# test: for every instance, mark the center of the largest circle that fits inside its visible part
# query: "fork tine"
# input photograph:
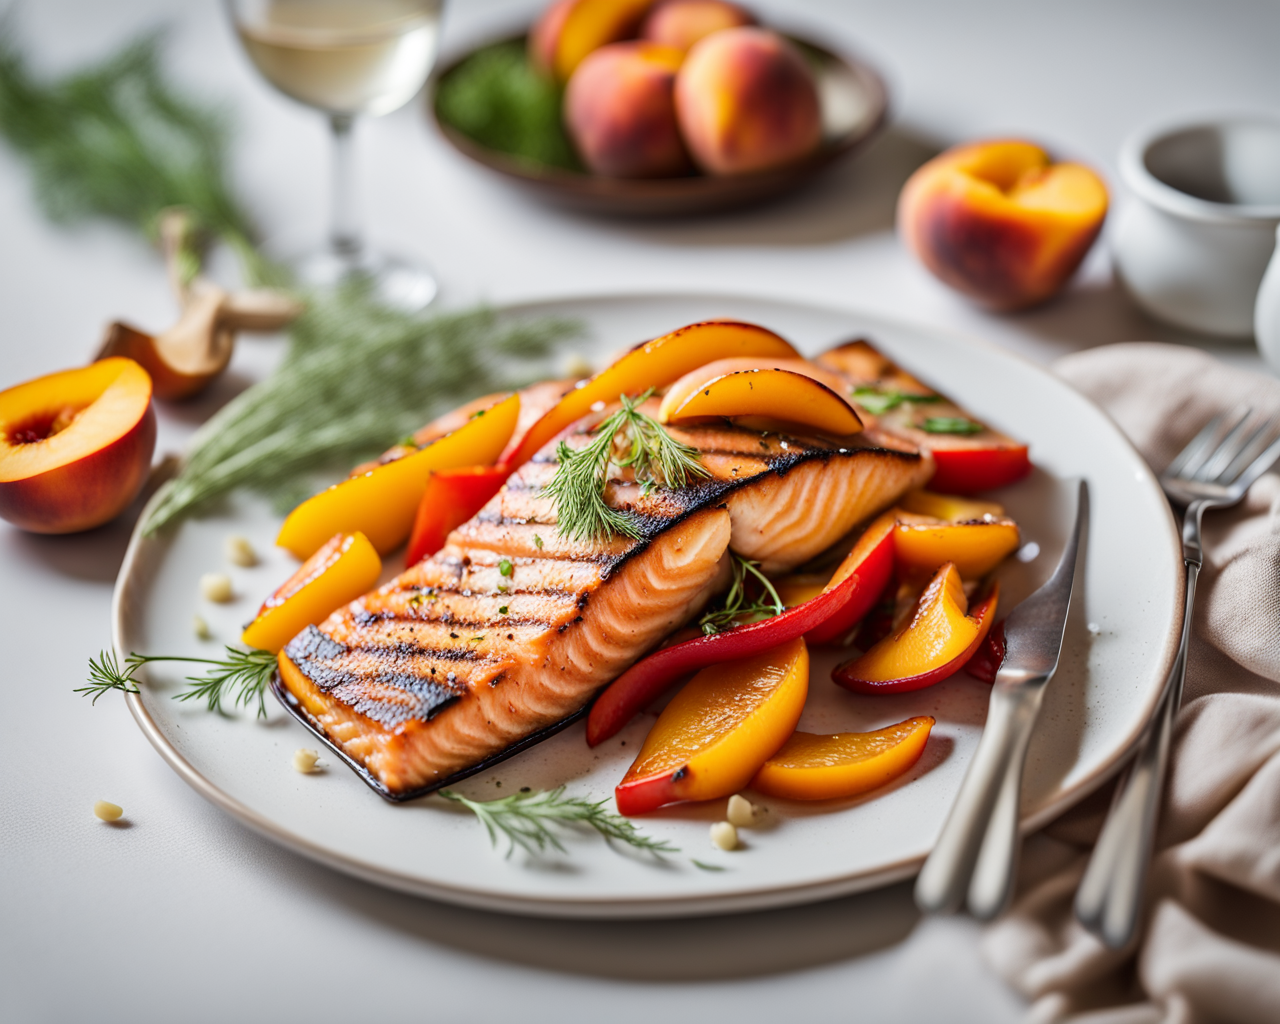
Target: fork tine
(1198, 447)
(1250, 450)
(1259, 466)
(1225, 453)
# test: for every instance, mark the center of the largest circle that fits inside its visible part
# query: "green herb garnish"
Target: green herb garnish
(878, 401)
(524, 819)
(505, 567)
(738, 608)
(627, 439)
(706, 867)
(537, 542)
(950, 425)
(495, 97)
(241, 676)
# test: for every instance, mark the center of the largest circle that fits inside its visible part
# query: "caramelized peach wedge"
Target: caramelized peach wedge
(936, 641)
(343, 568)
(716, 733)
(652, 364)
(383, 502)
(766, 398)
(843, 764)
(922, 543)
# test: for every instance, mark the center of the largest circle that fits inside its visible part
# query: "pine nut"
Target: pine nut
(240, 552)
(201, 628)
(107, 811)
(216, 586)
(304, 760)
(724, 835)
(741, 812)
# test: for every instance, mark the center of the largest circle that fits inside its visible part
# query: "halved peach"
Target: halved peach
(922, 543)
(340, 571)
(1001, 221)
(75, 446)
(935, 643)
(949, 507)
(717, 732)
(770, 394)
(843, 764)
(382, 503)
(653, 363)
(570, 30)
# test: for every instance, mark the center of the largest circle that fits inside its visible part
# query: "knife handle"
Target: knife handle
(982, 829)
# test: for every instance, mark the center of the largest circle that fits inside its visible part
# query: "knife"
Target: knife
(976, 854)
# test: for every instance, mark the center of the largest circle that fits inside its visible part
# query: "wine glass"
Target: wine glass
(346, 57)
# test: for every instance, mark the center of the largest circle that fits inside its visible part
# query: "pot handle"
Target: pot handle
(1266, 311)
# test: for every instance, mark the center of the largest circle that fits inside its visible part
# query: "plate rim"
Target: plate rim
(143, 550)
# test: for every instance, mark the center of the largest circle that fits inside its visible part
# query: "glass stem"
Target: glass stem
(345, 237)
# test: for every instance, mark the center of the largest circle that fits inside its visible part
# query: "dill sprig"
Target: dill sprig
(357, 376)
(739, 607)
(525, 819)
(627, 439)
(117, 140)
(241, 676)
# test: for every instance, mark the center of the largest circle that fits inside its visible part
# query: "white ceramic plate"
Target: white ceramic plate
(1119, 645)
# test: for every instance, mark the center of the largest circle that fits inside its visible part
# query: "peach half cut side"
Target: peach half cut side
(1000, 221)
(75, 446)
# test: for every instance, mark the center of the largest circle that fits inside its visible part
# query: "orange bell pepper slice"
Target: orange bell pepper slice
(717, 732)
(452, 497)
(922, 543)
(844, 764)
(383, 502)
(340, 571)
(761, 394)
(651, 364)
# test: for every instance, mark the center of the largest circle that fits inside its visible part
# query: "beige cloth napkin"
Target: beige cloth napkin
(1209, 949)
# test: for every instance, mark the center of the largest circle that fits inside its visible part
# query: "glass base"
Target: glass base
(400, 285)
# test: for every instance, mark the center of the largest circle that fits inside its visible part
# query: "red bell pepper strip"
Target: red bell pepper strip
(984, 612)
(452, 497)
(872, 559)
(989, 656)
(644, 680)
(964, 470)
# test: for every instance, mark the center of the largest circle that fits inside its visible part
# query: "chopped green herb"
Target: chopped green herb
(738, 609)
(537, 542)
(950, 425)
(503, 609)
(407, 441)
(476, 639)
(878, 401)
(706, 867)
(503, 588)
(505, 567)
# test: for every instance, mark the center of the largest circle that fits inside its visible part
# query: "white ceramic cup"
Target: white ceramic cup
(1194, 239)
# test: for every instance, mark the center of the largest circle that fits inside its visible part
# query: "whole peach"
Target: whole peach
(569, 30)
(681, 23)
(1000, 221)
(619, 110)
(747, 101)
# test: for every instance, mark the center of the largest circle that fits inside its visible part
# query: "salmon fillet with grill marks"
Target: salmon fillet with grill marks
(511, 629)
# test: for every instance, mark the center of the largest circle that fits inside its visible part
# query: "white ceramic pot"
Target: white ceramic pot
(1194, 238)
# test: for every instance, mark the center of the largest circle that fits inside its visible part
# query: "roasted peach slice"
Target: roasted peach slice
(936, 641)
(717, 732)
(951, 507)
(383, 502)
(761, 397)
(843, 764)
(340, 571)
(651, 364)
(922, 543)
(75, 446)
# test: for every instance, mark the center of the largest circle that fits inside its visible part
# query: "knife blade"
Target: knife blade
(976, 853)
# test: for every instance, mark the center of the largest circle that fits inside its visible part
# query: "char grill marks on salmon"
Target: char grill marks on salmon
(512, 628)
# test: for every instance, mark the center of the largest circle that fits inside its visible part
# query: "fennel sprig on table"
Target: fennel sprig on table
(240, 677)
(527, 821)
(627, 439)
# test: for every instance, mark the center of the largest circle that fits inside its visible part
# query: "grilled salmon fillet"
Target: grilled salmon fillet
(511, 628)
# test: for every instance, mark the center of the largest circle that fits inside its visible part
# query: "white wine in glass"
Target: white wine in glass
(345, 58)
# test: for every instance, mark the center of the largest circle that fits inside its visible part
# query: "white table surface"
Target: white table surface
(184, 915)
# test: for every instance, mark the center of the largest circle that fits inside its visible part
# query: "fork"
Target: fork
(1212, 472)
